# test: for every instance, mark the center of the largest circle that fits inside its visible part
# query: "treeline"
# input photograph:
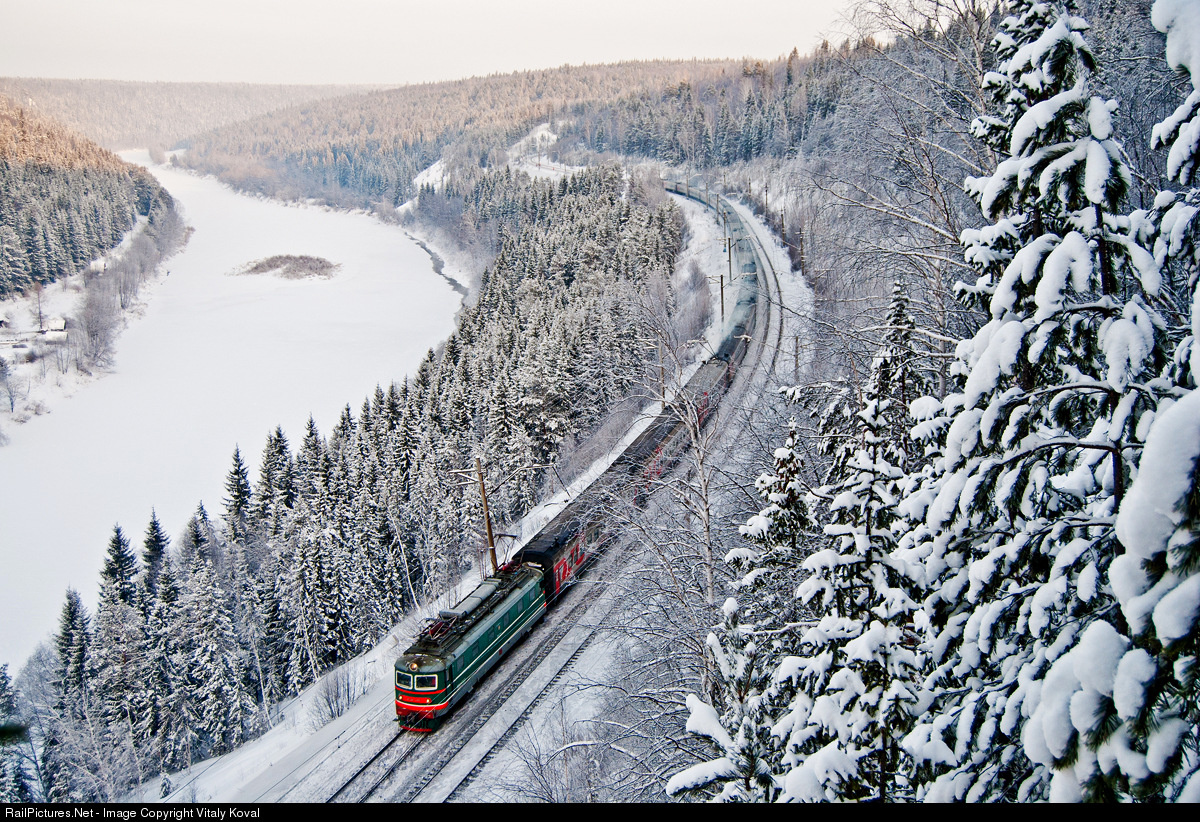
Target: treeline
(120, 114)
(820, 104)
(760, 109)
(989, 591)
(365, 150)
(64, 201)
(317, 557)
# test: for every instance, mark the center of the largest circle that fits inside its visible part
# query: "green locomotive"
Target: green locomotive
(463, 644)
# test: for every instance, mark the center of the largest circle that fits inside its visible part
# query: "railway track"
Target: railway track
(742, 233)
(368, 778)
(407, 769)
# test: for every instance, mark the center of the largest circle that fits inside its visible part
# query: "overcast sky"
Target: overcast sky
(385, 41)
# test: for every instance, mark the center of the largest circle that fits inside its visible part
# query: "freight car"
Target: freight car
(458, 648)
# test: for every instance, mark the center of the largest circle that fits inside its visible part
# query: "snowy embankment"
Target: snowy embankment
(214, 361)
(527, 154)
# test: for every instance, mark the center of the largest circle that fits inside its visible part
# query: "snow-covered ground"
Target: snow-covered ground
(216, 361)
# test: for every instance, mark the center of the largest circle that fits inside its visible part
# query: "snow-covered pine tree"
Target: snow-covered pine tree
(1131, 684)
(746, 767)
(246, 601)
(1017, 516)
(71, 731)
(120, 568)
(275, 493)
(302, 606)
(852, 681)
(223, 709)
(238, 503)
(170, 721)
(71, 643)
(154, 552)
(271, 616)
(385, 596)
(779, 537)
(118, 658)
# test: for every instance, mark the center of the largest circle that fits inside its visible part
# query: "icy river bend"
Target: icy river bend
(216, 361)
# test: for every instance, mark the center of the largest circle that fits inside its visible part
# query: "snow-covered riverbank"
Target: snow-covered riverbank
(216, 360)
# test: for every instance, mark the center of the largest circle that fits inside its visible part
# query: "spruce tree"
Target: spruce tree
(238, 503)
(1015, 521)
(747, 766)
(119, 661)
(71, 643)
(275, 493)
(154, 551)
(169, 721)
(1131, 684)
(120, 568)
(853, 677)
(70, 729)
(223, 709)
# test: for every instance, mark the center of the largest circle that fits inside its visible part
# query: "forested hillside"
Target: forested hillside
(366, 150)
(64, 201)
(122, 115)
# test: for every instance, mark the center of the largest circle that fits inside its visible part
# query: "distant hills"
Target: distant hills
(366, 149)
(120, 115)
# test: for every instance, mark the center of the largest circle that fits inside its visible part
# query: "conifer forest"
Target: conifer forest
(953, 552)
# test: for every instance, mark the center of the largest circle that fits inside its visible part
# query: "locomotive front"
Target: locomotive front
(422, 688)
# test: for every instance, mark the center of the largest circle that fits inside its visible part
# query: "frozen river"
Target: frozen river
(216, 361)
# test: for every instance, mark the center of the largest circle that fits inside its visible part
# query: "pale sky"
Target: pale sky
(386, 41)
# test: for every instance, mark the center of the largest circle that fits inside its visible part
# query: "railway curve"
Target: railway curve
(434, 768)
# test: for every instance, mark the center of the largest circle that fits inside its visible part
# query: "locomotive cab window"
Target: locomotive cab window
(403, 681)
(427, 682)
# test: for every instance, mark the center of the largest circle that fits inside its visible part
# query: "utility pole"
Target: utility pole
(729, 256)
(662, 372)
(487, 517)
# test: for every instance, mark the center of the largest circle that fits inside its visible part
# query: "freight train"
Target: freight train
(463, 643)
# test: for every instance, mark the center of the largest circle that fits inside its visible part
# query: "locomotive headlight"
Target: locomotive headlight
(412, 666)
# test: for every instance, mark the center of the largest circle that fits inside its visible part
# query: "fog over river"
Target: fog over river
(216, 361)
